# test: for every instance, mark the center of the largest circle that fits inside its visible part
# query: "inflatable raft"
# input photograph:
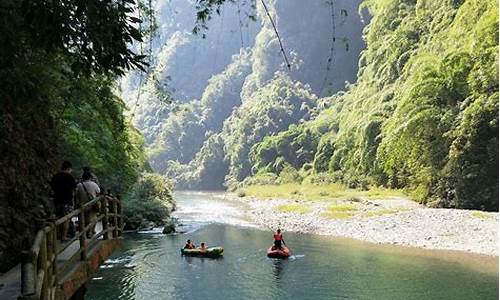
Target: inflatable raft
(210, 252)
(284, 252)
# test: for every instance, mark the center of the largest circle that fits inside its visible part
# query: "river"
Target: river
(149, 265)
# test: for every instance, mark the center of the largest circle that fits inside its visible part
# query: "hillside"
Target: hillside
(185, 138)
(423, 115)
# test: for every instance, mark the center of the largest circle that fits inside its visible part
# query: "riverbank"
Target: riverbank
(389, 220)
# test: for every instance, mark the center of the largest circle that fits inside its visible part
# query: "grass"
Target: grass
(313, 192)
(341, 208)
(481, 215)
(339, 211)
(382, 212)
(337, 215)
(293, 208)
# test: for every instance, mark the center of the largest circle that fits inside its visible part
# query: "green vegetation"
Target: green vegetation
(293, 208)
(59, 61)
(382, 212)
(339, 211)
(481, 215)
(342, 208)
(315, 192)
(220, 110)
(423, 115)
(150, 201)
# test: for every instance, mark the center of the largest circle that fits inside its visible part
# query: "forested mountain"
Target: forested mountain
(205, 136)
(423, 114)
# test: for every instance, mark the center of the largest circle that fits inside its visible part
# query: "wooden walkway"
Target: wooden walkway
(55, 270)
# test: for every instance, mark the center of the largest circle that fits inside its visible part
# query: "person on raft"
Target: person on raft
(278, 238)
(189, 245)
(203, 247)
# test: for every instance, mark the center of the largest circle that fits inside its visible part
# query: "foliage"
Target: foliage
(58, 62)
(208, 168)
(150, 201)
(423, 115)
(93, 35)
(289, 175)
(281, 103)
(94, 133)
(213, 89)
(315, 192)
(293, 208)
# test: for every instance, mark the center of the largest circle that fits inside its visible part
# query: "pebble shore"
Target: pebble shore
(394, 221)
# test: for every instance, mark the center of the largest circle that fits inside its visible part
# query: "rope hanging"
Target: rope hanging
(277, 35)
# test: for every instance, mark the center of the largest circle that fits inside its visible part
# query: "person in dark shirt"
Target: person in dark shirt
(63, 184)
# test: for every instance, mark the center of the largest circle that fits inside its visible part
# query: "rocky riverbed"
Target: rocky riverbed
(395, 221)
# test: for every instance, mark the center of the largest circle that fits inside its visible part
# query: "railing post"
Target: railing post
(120, 217)
(115, 219)
(83, 234)
(105, 220)
(52, 236)
(42, 258)
(28, 283)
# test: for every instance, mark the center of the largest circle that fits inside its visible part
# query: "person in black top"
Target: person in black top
(63, 184)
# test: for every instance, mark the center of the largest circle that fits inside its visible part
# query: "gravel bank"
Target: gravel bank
(393, 221)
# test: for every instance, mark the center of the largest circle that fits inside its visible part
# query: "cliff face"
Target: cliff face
(322, 40)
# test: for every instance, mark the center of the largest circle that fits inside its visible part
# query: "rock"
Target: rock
(169, 228)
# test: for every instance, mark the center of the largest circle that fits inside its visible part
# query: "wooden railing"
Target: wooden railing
(40, 268)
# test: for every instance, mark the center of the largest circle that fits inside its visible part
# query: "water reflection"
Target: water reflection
(278, 266)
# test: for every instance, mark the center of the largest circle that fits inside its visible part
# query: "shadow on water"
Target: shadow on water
(278, 267)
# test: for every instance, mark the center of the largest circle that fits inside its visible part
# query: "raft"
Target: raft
(284, 252)
(210, 252)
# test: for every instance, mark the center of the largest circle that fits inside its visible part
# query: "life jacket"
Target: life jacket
(278, 237)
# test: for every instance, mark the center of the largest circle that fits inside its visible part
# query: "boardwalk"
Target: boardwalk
(75, 261)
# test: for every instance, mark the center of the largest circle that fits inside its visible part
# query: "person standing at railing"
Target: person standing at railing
(93, 178)
(63, 184)
(87, 191)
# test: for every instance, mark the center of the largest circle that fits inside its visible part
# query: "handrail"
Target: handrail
(39, 269)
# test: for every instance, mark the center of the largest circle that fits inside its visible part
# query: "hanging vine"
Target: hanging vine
(240, 22)
(218, 41)
(147, 15)
(331, 56)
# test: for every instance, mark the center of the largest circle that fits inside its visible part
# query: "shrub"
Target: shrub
(150, 201)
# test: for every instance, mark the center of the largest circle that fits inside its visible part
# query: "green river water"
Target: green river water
(150, 266)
